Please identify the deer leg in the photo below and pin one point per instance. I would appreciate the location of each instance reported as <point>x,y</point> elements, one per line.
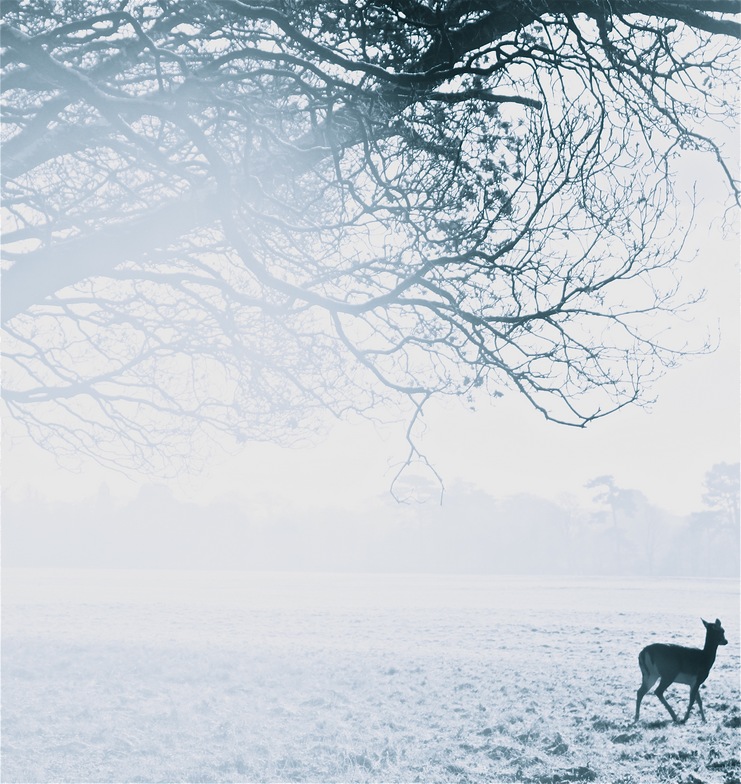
<point>663,686</point>
<point>694,695</point>
<point>641,694</point>
<point>648,680</point>
<point>699,705</point>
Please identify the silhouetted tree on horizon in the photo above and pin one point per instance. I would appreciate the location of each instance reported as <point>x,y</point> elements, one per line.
<point>722,491</point>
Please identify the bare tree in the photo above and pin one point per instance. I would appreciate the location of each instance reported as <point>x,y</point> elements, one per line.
<point>722,494</point>
<point>623,504</point>
<point>236,216</point>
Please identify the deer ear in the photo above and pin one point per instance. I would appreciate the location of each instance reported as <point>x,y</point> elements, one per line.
<point>705,623</point>
<point>717,622</point>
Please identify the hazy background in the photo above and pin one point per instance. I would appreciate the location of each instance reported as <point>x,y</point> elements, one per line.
<point>515,497</point>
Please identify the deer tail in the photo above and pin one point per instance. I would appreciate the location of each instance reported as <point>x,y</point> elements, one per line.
<point>644,662</point>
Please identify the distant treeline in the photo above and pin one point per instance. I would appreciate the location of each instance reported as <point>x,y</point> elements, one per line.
<point>471,532</point>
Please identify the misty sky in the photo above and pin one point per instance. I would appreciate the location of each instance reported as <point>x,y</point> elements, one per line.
<point>505,447</point>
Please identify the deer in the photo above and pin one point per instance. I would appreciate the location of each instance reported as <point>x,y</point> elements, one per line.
<point>679,664</point>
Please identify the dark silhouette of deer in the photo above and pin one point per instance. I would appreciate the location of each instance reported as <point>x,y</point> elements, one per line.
<point>677,664</point>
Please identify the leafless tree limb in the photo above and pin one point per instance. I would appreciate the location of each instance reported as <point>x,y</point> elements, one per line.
<point>232,217</point>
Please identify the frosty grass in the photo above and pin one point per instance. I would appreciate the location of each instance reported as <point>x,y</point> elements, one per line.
<point>149,676</point>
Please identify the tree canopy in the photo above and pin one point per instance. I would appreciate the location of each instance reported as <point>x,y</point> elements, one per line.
<point>236,216</point>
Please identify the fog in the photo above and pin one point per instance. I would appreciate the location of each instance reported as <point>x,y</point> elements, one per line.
<point>471,532</point>
<point>507,490</point>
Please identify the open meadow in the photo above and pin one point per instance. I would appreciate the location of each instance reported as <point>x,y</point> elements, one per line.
<point>151,676</point>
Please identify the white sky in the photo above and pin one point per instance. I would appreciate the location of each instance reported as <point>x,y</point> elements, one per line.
<point>503,448</point>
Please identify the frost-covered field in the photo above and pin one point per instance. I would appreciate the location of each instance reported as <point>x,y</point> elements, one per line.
<point>195,676</point>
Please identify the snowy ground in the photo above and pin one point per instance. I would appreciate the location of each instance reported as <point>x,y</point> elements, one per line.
<point>197,676</point>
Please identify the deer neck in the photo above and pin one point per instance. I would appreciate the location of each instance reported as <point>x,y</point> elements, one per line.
<point>709,651</point>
